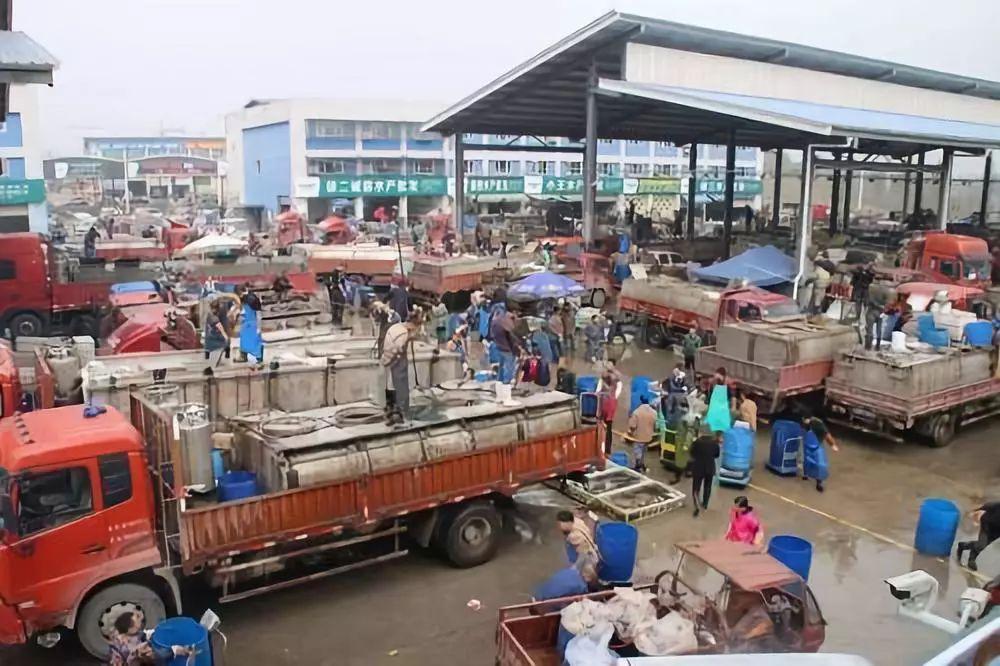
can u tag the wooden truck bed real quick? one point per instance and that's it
(226, 529)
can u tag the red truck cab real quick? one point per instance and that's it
(10, 381)
(950, 258)
(78, 516)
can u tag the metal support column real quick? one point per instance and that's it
(802, 197)
(944, 192)
(906, 187)
(918, 188)
(845, 218)
(692, 188)
(590, 158)
(776, 203)
(727, 220)
(805, 230)
(835, 200)
(987, 170)
(459, 206)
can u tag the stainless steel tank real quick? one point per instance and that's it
(195, 429)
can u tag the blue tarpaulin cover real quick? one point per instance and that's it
(760, 266)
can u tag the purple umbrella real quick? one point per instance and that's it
(544, 285)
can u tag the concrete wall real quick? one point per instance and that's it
(20, 147)
(267, 168)
(652, 64)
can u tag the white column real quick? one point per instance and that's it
(359, 208)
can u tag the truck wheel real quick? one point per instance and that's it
(473, 536)
(656, 335)
(942, 430)
(96, 622)
(26, 325)
(85, 325)
(598, 298)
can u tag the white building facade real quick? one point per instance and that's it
(22, 187)
(308, 153)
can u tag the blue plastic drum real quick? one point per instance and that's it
(237, 485)
(586, 384)
(936, 527)
(737, 449)
(589, 403)
(792, 551)
(617, 543)
(185, 632)
(639, 388)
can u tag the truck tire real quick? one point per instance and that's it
(473, 535)
(598, 298)
(95, 621)
(656, 335)
(942, 430)
(85, 325)
(26, 325)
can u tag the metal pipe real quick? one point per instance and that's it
(834, 201)
(987, 172)
(459, 212)
(848, 181)
(590, 158)
(918, 188)
(906, 186)
(727, 219)
(944, 191)
(776, 204)
(802, 199)
(692, 188)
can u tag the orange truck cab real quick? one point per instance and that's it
(950, 258)
(78, 524)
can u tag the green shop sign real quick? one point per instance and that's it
(497, 185)
(658, 186)
(388, 185)
(554, 185)
(744, 186)
(21, 191)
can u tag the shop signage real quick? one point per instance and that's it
(658, 186)
(387, 186)
(14, 192)
(743, 186)
(493, 185)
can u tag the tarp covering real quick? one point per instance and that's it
(759, 266)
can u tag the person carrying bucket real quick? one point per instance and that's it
(581, 544)
(129, 645)
(814, 462)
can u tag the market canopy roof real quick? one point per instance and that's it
(546, 95)
(759, 266)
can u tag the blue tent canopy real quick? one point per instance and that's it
(760, 266)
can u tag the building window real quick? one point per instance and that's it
(635, 169)
(572, 168)
(8, 270)
(606, 142)
(417, 135)
(746, 172)
(474, 167)
(634, 142)
(505, 138)
(320, 167)
(608, 169)
(383, 166)
(540, 168)
(500, 167)
(664, 144)
(664, 170)
(422, 167)
(333, 129)
(381, 131)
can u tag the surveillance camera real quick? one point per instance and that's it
(916, 590)
(971, 604)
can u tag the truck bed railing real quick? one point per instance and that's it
(908, 409)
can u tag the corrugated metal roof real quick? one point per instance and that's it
(20, 52)
(745, 565)
(820, 119)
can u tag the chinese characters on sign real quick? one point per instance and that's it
(21, 191)
(400, 186)
(494, 185)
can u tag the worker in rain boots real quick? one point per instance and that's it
(642, 431)
(395, 359)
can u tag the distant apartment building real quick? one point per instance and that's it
(22, 189)
(307, 153)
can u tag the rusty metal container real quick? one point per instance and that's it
(775, 344)
(911, 375)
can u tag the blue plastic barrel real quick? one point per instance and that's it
(563, 583)
(237, 485)
(589, 403)
(620, 458)
(617, 543)
(794, 552)
(638, 388)
(737, 449)
(936, 527)
(786, 440)
(979, 333)
(586, 384)
(186, 632)
(218, 464)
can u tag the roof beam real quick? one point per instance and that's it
(522, 149)
(894, 167)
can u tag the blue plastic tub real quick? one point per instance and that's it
(620, 458)
(792, 551)
(617, 543)
(737, 449)
(638, 388)
(185, 632)
(936, 527)
(237, 485)
(563, 583)
(589, 403)
(586, 384)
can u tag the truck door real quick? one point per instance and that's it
(61, 545)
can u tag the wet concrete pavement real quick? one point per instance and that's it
(414, 611)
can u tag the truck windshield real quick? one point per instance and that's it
(783, 309)
(975, 268)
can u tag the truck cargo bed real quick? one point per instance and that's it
(907, 410)
(774, 383)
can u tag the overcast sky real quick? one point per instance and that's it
(177, 66)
